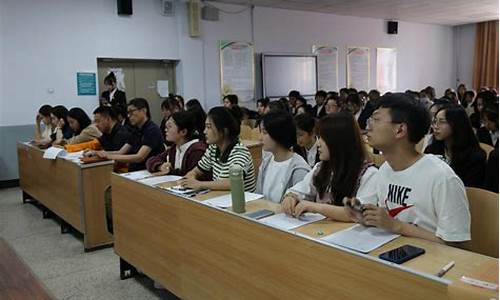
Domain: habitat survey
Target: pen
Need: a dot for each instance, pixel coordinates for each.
(198, 192)
(445, 269)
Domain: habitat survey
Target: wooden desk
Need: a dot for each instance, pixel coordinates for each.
(255, 148)
(200, 252)
(17, 282)
(74, 192)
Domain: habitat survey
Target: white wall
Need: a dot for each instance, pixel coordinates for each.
(424, 51)
(60, 37)
(47, 42)
(465, 41)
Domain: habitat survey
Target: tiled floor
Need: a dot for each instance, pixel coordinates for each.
(59, 260)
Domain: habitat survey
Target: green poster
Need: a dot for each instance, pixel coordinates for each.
(86, 84)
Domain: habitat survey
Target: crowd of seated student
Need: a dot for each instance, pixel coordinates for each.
(307, 142)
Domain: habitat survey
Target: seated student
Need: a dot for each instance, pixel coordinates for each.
(180, 101)
(483, 99)
(225, 150)
(230, 101)
(169, 106)
(114, 135)
(318, 110)
(491, 177)
(187, 150)
(143, 144)
(344, 171)
(42, 137)
(307, 142)
(281, 168)
(354, 105)
(292, 101)
(262, 105)
(468, 102)
(333, 105)
(112, 95)
(488, 134)
(200, 116)
(62, 130)
(301, 107)
(83, 129)
(418, 195)
(455, 142)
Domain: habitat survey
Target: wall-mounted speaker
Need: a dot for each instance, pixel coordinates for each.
(124, 7)
(392, 27)
(194, 18)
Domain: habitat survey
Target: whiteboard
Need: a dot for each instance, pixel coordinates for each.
(282, 73)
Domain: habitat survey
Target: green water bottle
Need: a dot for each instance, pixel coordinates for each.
(237, 189)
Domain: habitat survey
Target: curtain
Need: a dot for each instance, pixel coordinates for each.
(486, 55)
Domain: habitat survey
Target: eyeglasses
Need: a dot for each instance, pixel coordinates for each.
(131, 111)
(372, 120)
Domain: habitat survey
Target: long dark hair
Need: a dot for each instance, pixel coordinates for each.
(200, 116)
(464, 141)
(340, 174)
(81, 117)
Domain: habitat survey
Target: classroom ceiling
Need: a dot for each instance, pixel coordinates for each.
(443, 12)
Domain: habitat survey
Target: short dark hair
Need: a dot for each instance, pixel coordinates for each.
(107, 111)
(405, 109)
(321, 94)
(277, 105)
(225, 122)
(141, 103)
(45, 110)
(490, 112)
(170, 104)
(275, 122)
(263, 101)
(110, 79)
(294, 93)
(186, 120)
(470, 93)
(81, 117)
(301, 99)
(305, 122)
(232, 98)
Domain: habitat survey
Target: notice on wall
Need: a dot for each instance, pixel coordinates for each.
(162, 88)
(86, 84)
(386, 69)
(327, 67)
(237, 69)
(358, 68)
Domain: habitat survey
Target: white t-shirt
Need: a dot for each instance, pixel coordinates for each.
(427, 194)
(275, 179)
(311, 154)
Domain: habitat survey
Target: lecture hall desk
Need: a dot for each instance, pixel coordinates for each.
(201, 252)
(74, 192)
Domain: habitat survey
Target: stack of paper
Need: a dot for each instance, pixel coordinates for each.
(53, 152)
(159, 179)
(137, 175)
(360, 238)
(74, 156)
(225, 201)
(286, 222)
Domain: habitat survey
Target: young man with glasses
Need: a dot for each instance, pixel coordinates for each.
(146, 142)
(416, 194)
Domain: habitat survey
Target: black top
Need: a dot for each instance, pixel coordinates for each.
(119, 98)
(115, 140)
(322, 112)
(471, 170)
(148, 135)
(484, 136)
(367, 112)
(491, 180)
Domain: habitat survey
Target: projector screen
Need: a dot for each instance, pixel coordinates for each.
(282, 73)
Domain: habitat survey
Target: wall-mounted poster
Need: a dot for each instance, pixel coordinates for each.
(358, 68)
(86, 84)
(386, 69)
(237, 69)
(327, 67)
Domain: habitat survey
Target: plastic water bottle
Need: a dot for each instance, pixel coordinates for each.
(237, 189)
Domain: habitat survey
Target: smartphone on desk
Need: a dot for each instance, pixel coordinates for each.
(260, 214)
(402, 254)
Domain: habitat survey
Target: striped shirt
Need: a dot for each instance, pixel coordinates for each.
(239, 156)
